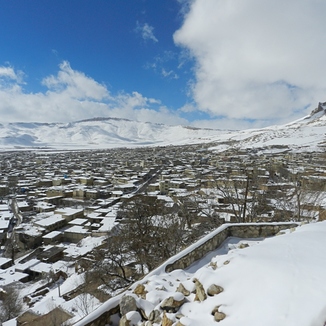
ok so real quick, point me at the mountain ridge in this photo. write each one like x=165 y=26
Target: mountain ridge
x=112 y=132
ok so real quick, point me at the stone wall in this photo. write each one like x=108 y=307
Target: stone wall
x=232 y=230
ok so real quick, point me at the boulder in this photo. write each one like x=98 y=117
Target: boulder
x=200 y=292
x=132 y=318
x=214 y=289
x=183 y=290
x=218 y=316
x=127 y=304
x=155 y=316
x=166 y=321
x=140 y=291
x=243 y=245
x=172 y=304
x=213 y=265
x=124 y=321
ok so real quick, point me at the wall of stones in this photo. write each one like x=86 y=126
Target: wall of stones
x=233 y=230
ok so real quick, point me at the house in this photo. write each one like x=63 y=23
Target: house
x=52 y=237
x=5 y=262
x=70 y=213
x=51 y=223
x=43 y=206
x=75 y=233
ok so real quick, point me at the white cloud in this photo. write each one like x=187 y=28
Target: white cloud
x=256 y=59
x=162 y=63
x=71 y=96
x=146 y=31
x=75 y=84
x=9 y=74
x=170 y=74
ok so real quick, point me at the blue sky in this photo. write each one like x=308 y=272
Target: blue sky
x=207 y=63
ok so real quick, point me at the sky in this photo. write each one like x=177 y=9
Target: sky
x=226 y=64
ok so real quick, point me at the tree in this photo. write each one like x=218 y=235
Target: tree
x=11 y=305
x=234 y=191
x=298 y=203
x=154 y=233
x=147 y=235
x=85 y=304
x=111 y=263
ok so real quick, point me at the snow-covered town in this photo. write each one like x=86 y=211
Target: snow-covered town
x=58 y=207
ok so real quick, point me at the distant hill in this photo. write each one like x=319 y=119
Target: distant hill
x=305 y=134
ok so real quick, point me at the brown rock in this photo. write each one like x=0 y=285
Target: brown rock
x=172 y=305
x=218 y=316
x=140 y=291
x=214 y=289
x=166 y=321
x=200 y=292
x=183 y=290
x=124 y=321
x=155 y=316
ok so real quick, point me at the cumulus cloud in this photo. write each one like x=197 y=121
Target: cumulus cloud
x=9 y=74
x=146 y=31
x=71 y=95
x=261 y=60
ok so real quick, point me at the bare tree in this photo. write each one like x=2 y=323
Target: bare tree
x=234 y=191
x=298 y=201
x=85 y=304
x=152 y=231
x=148 y=234
x=10 y=305
x=111 y=263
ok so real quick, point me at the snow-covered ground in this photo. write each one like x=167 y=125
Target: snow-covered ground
x=277 y=281
x=304 y=134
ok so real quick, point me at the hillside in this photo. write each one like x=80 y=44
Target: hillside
x=276 y=281
x=307 y=133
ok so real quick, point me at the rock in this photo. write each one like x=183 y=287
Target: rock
x=243 y=245
x=133 y=317
x=127 y=304
x=140 y=291
x=226 y=262
x=155 y=316
x=213 y=265
x=124 y=321
x=218 y=316
x=161 y=288
x=172 y=304
x=183 y=290
x=214 y=289
x=166 y=321
x=200 y=292
x=143 y=314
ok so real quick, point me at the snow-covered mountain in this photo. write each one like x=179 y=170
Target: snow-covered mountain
x=306 y=133
x=99 y=133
